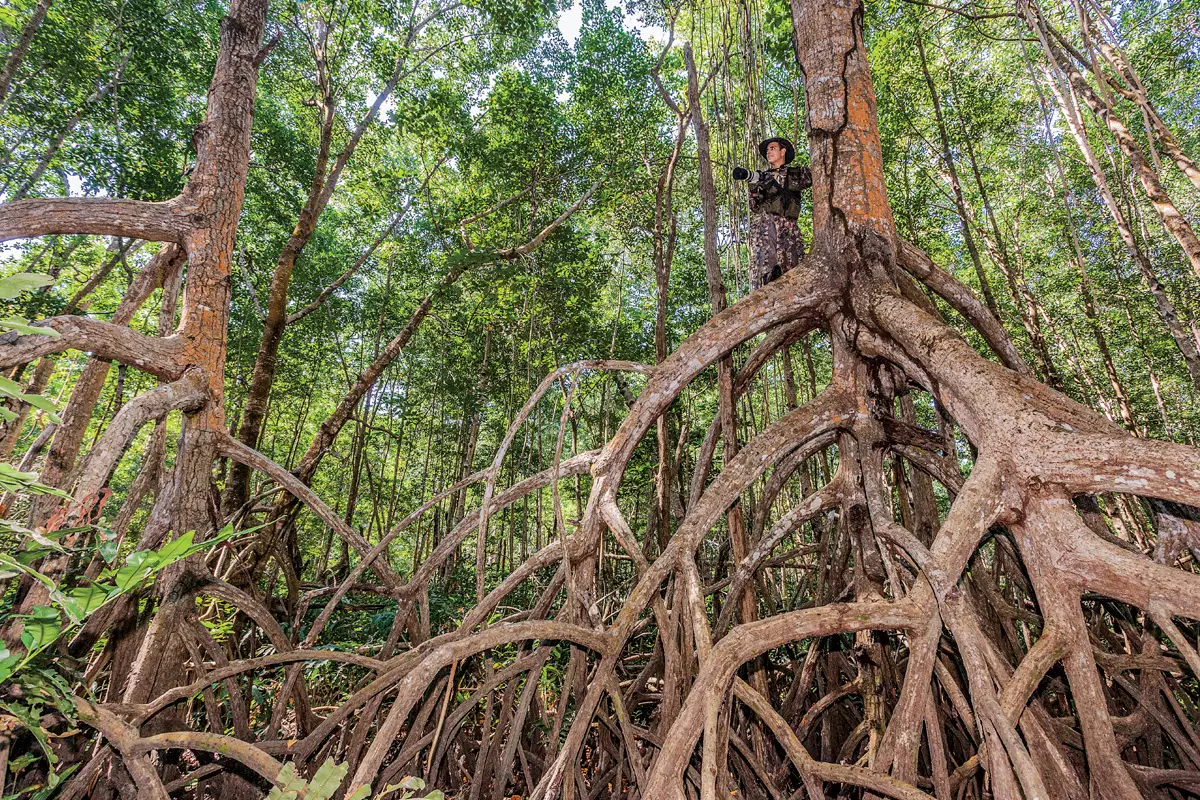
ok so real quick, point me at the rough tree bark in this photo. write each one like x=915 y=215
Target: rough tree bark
x=203 y=221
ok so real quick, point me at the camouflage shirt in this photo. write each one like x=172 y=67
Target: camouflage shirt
x=779 y=191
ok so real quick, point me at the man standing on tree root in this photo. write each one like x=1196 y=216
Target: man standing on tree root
x=776 y=243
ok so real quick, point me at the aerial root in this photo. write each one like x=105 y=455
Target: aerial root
x=875 y=593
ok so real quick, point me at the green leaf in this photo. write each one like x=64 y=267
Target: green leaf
x=79 y=603
x=21 y=326
x=228 y=532
x=10 y=387
x=41 y=628
x=21 y=762
x=288 y=785
x=30 y=716
x=12 y=478
x=19 y=564
x=361 y=793
x=7 y=414
x=22 y=282
x=39 y=401
x=136 y=568
x=326 y=781
x=8 y=662
x=53 y=782
x=108 y=544
x=174 y=550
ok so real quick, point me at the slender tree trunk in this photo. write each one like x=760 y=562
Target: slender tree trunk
x=17 y=54
x=254 y=408
x=1184 y=341
x=960 y=205
x=1018 y=286
x=44 y=161
x=664 y=254
x=1155 y=383
x=470 y=438
x=718 y=300
x=1110 y=369
x=1175 y=223
x=1109 y=48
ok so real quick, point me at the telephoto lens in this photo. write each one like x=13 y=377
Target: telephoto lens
x=740 y=173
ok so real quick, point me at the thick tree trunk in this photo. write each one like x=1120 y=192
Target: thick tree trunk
x=215 y=193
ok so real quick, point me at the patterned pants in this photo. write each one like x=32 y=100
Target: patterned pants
x=776 y=246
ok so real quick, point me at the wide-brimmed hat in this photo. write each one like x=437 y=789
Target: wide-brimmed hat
x=788 y=147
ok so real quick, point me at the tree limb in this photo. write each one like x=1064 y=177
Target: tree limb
x=252 y=458
x=135 y=219
x=159 y=357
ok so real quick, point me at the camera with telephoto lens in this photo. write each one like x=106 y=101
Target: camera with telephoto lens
x=751 y=175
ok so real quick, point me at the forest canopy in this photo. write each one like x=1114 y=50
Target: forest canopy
x=387 y=408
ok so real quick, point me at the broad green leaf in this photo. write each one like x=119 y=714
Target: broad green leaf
x=48 y=539
x=228 y=532
x=8 y=662
x=39 y=401
x=326 y=780
x=15 y=480
x=22 y=282
x=21 y=326
x=174 y=550
x=108 y=544
x=41 y=628
x=288 y=785
x=79 y=603
x=136 y=568
x=22 y=564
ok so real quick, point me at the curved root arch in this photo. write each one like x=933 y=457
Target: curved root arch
x=914 y=633
x=940 y=677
